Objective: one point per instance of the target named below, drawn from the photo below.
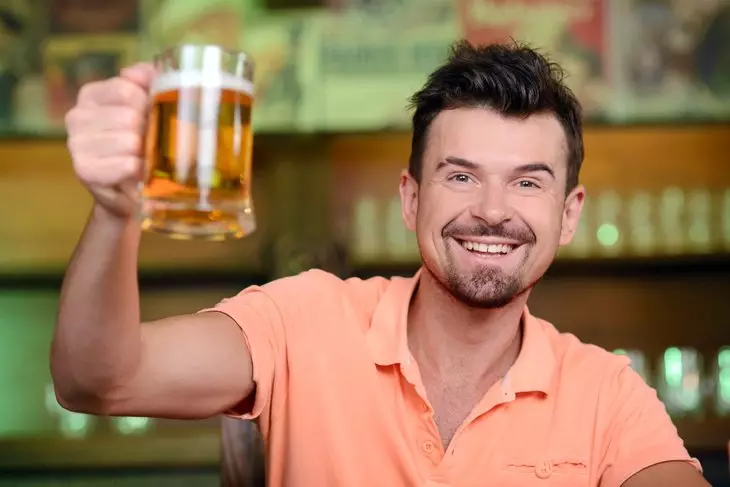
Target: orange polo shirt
(340, 402)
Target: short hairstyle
(511, 79)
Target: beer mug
(197, 181)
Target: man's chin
(484, 295)
(481, 301)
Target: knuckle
(86, 93)
(129, 143)
(72, 118)
(129, 166)
(124, 90)
(84, 169)
(75, 144)
(129, 118)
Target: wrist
(112, 220)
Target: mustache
(481, 229)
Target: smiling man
(442, 379)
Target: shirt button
(543, 470)
(427, 447)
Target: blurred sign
(573, 32)
(361, 69)
(355, 65)
(273, 41)
(70, 62)
(93, 17)
(675, 58)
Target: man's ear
(571, 214)
(409, 199)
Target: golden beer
(198, 151)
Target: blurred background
(648, 274)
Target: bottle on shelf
(699, 221)
(642, 224)
(680, 381)
(725, 219)
(608, 224)
(672, 218)
(367, 234)
(638, 362)
(722, 382)
(70, 424)
(132, 425)
(397, 244)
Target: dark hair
(511, 79)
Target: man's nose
(493, 205)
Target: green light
(724, 379)
(723, 358)
(607, 235)
(620, 351)
(75, 425)
(673, 366)
(131, 425)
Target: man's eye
(524, 183)
(461, 178)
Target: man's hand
(105, 137)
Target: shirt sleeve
(640, 432)
(260, 320)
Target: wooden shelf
(201, 448)
(623, 158)
(148, 280)
(704, 434)
(187, 448)
(594, 267)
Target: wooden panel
(44, 209)
(26, 326)
(188, 448)
(621, 158)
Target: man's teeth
(487, 248)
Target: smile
(484, 248)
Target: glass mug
(198, 145)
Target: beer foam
(175, 80)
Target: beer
(197, 181)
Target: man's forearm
(97, 344)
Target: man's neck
(448, 338)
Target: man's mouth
(487, 248)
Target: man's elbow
(78, 401)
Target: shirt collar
(387, 339)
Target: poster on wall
(272, 41)
(277, 46)
(675, 61)
(575, 33)
(71, 62)
(93, 16)
(364, 65)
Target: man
(441, 379)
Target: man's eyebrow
(457, 161)
(536, 167)
(470, 165)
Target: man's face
(491, 209)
